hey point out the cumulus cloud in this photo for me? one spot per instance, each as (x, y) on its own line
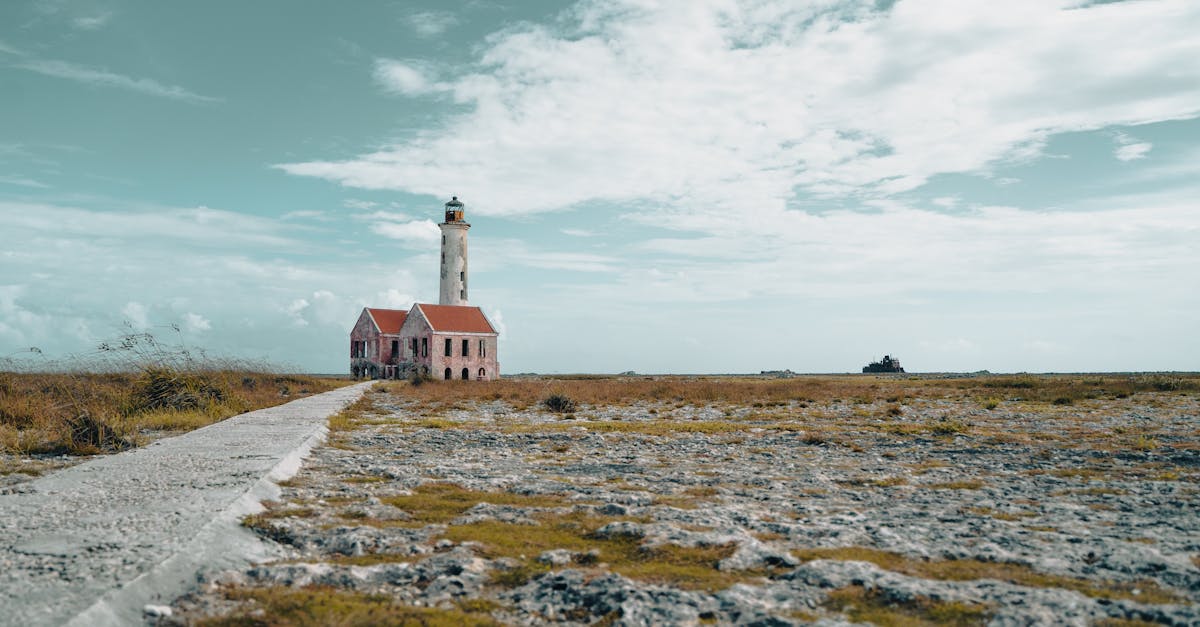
(418, 233)
(409, 78)
(196, 323)
(393, 299)
(295, 311)
(136, 315)
(745, 106)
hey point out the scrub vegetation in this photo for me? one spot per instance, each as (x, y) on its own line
(320, 606)
(571, 393)
(128, 392)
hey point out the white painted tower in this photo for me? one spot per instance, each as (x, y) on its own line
(454, 255)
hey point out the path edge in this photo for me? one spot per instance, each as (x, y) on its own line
(220, 543)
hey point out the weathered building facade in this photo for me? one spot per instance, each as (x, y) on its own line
(450, 340)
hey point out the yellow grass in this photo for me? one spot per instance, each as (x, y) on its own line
(43, 412)
(967, 569)
(324, 606)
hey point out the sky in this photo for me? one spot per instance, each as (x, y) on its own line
(675, 186)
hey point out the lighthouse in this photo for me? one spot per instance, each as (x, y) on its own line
(454, 255)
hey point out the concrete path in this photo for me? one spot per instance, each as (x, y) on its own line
(95, 543)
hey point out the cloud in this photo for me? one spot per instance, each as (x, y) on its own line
(92, 22)
(18, 324)
(393, 299)
(431, 23)
(196, 323)
(418, 232)
(1129, 148)
(747, 107)
(136, 315)
(499, 254)
(104, 78)
(578, 232)
(23, 182)
(295, 311)
(409, 78)
(194, 225)
(364, 205)
(304, 214)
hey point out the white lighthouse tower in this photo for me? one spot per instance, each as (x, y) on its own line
(454, 255)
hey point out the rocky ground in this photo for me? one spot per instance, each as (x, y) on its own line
(903, 510)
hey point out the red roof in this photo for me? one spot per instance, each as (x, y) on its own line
(388, 320)
(456, 318)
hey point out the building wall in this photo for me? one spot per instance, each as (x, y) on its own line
(473, 361)
(435, 359)
(373, 356)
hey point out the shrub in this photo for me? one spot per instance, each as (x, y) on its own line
(417, 377)
(88, 433)
(990, 402)
(948, 426)
(559, 403)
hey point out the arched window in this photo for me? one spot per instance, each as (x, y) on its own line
(447, 374)
(466, 374)
(482, 374)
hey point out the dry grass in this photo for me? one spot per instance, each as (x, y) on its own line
(84, 413)
(110, 399)
(324, 606)
(967, 570)
(969, 484)
(870, 606)
(689, 568)
(784, 393)
(434, 503)
(556, 528)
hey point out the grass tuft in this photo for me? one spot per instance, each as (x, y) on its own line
(872, 606)
(320, 606)
(968, 570)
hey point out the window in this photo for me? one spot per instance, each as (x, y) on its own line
(414, 348)
(466, 343)
(483, 348)
(443, 239)
(462, 276)
(482, 374)
(463, 293)
(395, 349)
(466, 375)
(447, 374)
(448, 345)
(424, 347)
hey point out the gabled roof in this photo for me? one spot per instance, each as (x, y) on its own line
(456, 318)
(389, 321)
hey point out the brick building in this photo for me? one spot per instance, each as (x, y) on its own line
(450, 340)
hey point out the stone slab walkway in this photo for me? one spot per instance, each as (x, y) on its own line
(95, 543)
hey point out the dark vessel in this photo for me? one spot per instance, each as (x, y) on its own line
(887, 364)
